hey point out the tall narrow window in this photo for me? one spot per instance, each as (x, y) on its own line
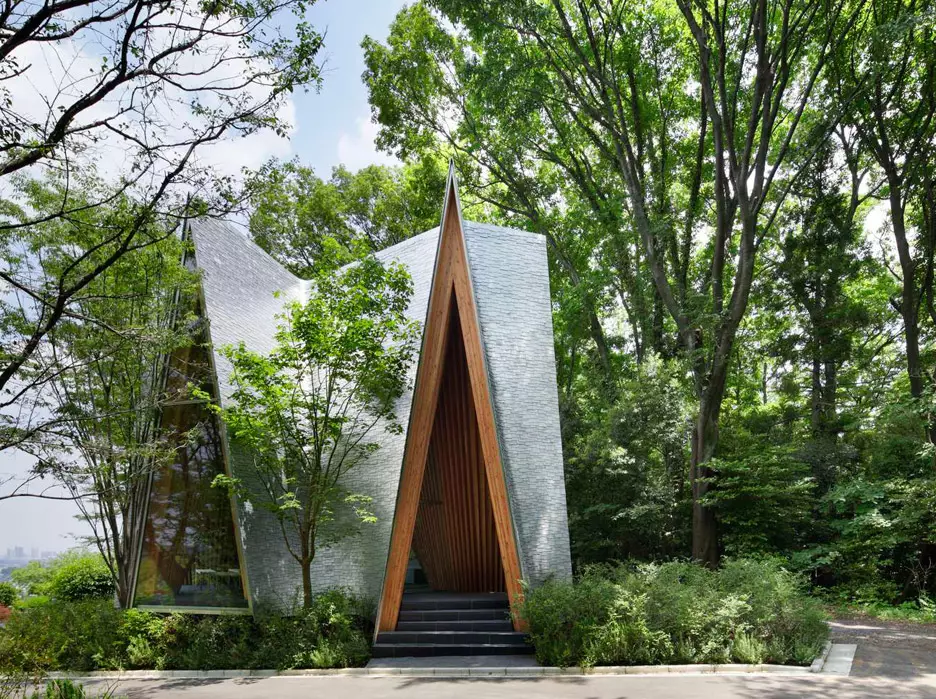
(189, 556)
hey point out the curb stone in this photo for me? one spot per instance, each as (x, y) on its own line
(492, 671)
(820, 662)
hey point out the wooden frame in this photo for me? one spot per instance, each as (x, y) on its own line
(451, 276)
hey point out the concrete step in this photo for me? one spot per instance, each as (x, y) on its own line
(456, 625)
(454, 614)
(447, 637)
(395, 650)
(422, 601)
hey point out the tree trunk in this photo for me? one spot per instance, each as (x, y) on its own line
(815, 421)
(704, 525)
(306, 564)
(909, 308)
(124, 591)
(830, 398)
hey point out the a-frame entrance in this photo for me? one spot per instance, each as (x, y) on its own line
(455, 537)
(464, 533)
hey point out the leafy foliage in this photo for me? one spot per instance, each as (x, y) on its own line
(66, 689)
(306, 413)
(8, 593)
(81, 578)
(334, 631)
(310, 224)
(71, 576)
(749, 611)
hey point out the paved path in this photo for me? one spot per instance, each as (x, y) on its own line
(582, 687)
(890, 649)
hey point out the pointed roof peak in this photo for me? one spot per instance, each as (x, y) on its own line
(451, 195)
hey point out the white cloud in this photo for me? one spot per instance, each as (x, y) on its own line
(356, 149)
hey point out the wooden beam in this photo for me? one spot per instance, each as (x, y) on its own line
(451, 277)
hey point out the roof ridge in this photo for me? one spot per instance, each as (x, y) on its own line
(246, 239)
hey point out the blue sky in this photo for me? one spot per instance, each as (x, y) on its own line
(332, 126)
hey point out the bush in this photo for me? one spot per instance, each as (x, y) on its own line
(748, 611)
(334, 632)
(564, 619)
(32, 577)
(9, 593)
(93, 634)
(60, 636)
(82, 577)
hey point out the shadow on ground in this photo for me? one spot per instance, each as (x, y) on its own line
(572, 687)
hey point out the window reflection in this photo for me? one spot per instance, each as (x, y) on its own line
(189, 555)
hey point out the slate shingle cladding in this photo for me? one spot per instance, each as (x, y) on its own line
(511, 284)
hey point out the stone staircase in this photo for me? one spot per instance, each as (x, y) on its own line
(443, 623)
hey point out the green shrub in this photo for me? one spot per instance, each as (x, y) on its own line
(334, 632)
(32, 577)
(85, 576)
(31, 602)
(748, 611)
(565, 618)
(790, 622)
(749, 649)
(9, 593)
(91, 634)
(140, 636)
(61, 636)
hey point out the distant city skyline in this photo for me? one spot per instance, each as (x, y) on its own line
(34, 553)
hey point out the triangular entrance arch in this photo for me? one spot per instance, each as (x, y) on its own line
(451, 286)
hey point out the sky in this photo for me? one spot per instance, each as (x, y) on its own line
(332, 126)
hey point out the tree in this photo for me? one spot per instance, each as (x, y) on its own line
(165, 80)
(820, 254)
(295, 214)
(94, 383)
(305, 412)
(886, 74)
(605, 104)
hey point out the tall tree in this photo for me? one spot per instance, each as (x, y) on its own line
(886, 74)
(299, 218)
(607, 95)
(165, 80)
(821, 253)
(91, 423)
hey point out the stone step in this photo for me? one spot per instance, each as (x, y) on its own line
(453, 600)
(453, 614)
(447, 637)
(456, 625)
(400, 650)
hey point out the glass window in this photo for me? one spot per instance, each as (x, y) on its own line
(187, 365)
(189, 556)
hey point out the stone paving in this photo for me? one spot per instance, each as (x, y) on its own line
(897, 650)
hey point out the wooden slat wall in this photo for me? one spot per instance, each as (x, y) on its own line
(455, 537)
